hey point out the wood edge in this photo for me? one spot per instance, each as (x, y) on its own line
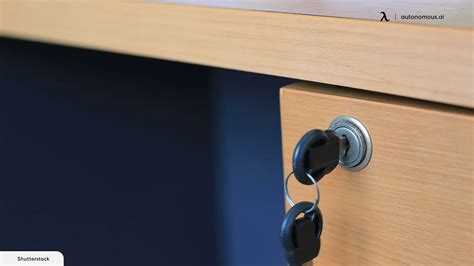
(268, 14)
(429, 96)
(311, 87)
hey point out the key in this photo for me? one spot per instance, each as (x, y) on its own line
(346, 143)
(300, 237)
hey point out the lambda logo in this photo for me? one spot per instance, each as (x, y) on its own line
(384, 17)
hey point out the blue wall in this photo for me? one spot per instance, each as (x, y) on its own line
(121, 160)
(249, 167)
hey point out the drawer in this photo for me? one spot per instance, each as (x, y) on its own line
(413, 203)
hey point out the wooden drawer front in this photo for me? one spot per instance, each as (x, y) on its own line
(413, 204)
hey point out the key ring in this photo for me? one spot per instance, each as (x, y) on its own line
(288, 197)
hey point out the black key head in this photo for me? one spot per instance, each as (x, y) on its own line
(301, 236)
(317, 153)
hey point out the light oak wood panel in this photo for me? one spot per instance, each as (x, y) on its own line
(423, 62)
(414, 203)
(456, 13)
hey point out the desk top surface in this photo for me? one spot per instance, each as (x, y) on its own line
(427, 12)
(417, 61)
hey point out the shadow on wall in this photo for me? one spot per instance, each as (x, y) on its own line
(96, 155)
(121, 160)
(249, 172)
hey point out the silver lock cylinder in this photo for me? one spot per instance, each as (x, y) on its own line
(356, 145)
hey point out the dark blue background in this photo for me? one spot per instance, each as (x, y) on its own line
(121, 160)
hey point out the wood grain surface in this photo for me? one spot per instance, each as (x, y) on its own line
(414, 203)
(455, 13)
(424, 62)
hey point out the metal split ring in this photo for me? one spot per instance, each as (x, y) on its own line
(288, 197)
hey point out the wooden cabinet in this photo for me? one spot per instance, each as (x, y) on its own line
(413, 204)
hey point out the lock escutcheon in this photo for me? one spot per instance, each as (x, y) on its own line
(356, 156)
